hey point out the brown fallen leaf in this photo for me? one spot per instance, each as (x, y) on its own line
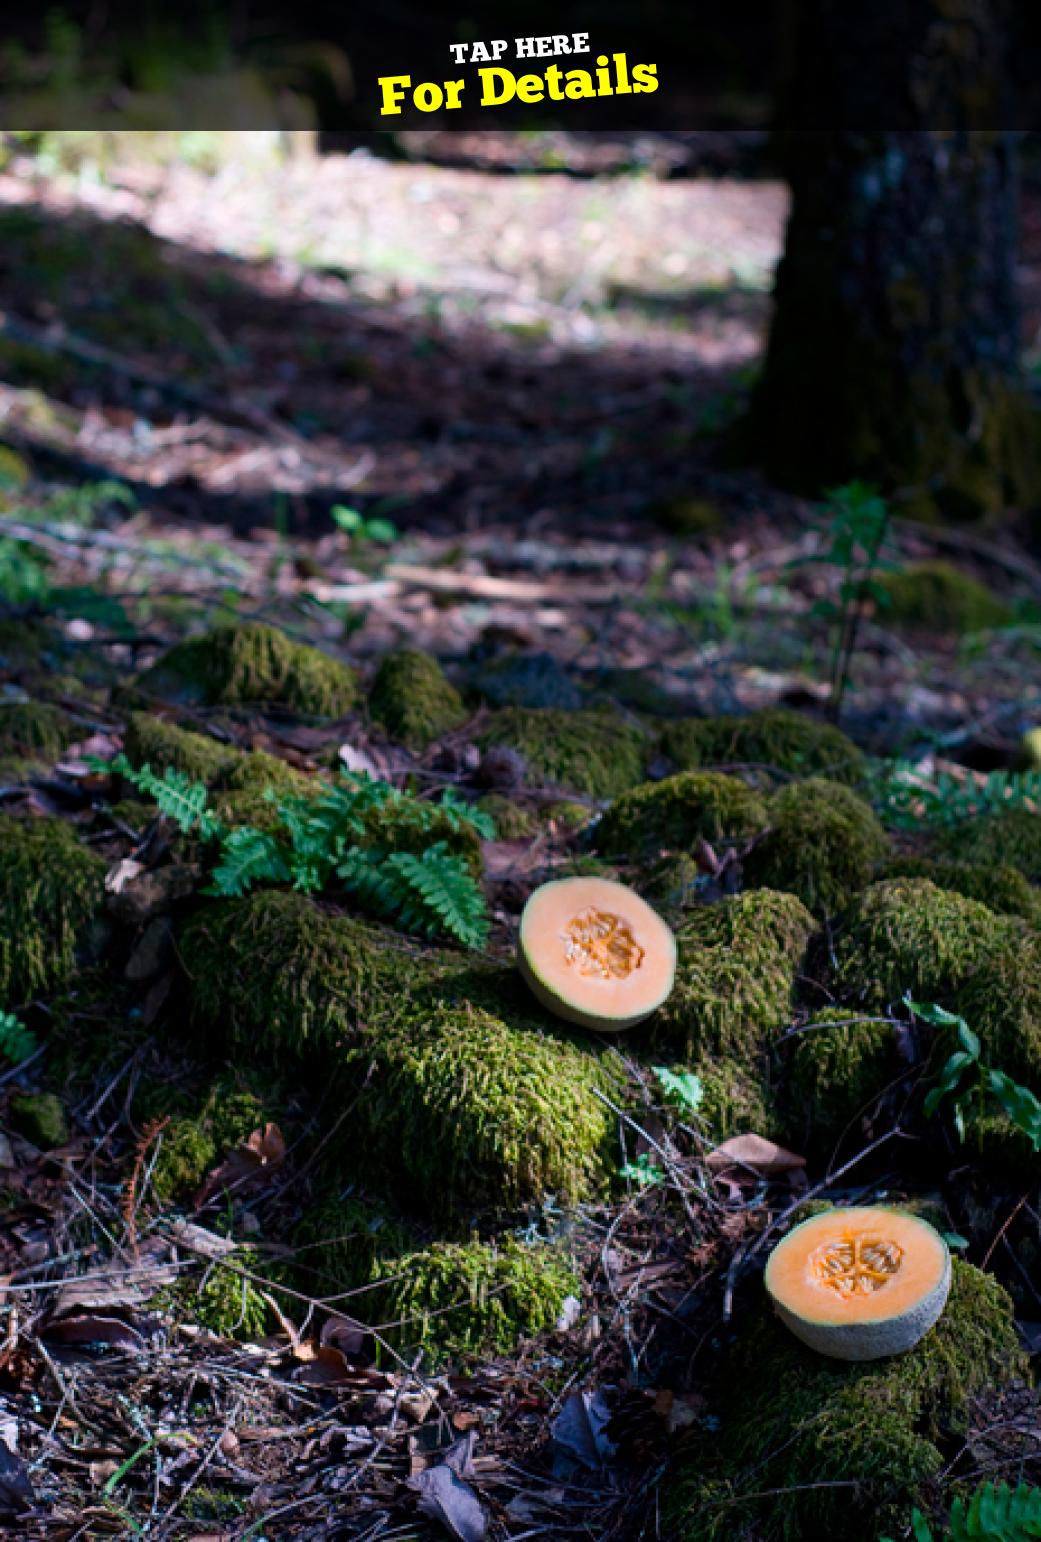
(753, 1152)
(248, 1167)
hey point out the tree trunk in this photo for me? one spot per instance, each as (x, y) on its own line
(894, 352)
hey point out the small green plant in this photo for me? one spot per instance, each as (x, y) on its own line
(683, 1089)
(857, 529)
(905, 801)
(995, 1513)
(17, 1042)
(174, 794)
(325, 843)
(644, 1172)
(361, 529)
(964, 1077)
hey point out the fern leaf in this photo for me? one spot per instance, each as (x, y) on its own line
(247, 857)
(17, 1042)
(174, 794)
(447, 895)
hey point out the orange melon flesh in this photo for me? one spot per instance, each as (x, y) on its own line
(595, 953)
(858, 1284)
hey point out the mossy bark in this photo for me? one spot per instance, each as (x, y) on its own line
(894, 348)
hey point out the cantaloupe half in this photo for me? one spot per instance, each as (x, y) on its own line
(860, 1284)
(595, 953)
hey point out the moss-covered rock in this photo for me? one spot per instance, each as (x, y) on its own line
(596, 753)
(150, 740)
(191, 1145)
(40, 1117)
(905, 934)
(810, 1447)
(835, 1072)
(936, 597)
(343, 1244)
(736, 969)
(250, 662)
(36, 729)
(1011, 836)
(466, 1111)
(823, 844)
(674, 813)
(279, 977)
(673, 884)
(50, 890)
(1001, 1000)
(773, 738)
(412, 701)
(455, 1300)
(1000, 887)
(512, 820)
(225, 1300)
(734, 1101)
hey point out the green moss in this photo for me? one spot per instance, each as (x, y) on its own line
(673, 814)
(151, 740)
(672, 885)
(563, 812)
(250, 662)
(513, 821)
(992, 1140)
(774, 738)
(242, 798)
(40, 1117)
(822, 844)
(733, 1101)
(189, 1147)
(935, 596)
(342, 1245)
(905, 934)
(1000, 887)
(224, 1300)
(412, 701)
(1011, 836)
(454, 1300)
(50, 890)
(36, 729)
(212, 1505)
(834, 1075)
(1001, 1000)
(736, 970)
(133, 813)
(278, 976)
(596, 753)
(186, 1154)
(468, 1111)
(812, 1447)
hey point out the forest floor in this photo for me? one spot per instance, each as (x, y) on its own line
(515, 389)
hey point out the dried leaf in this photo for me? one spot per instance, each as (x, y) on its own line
(92, 1328)
(579, 1429)
(248, 1167)
(447, 1498)
(753, 1152)
(122, 873)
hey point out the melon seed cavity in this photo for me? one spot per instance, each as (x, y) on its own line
(858, 1267)
(599, 943)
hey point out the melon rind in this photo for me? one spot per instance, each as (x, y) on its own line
(873, 1338)
(561, 1007)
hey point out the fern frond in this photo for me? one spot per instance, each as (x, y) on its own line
(433, 894)
(17, 1042)
(247, 857)
(461, 813)
(445, 893)
(174, 794)
(994, 1513)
